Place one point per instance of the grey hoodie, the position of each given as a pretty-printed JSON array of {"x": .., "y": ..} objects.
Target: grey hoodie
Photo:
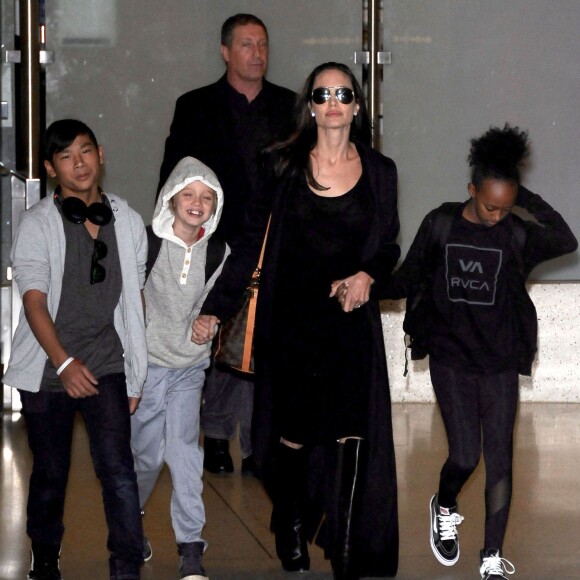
[
  {"x": 38, "y": 256},
  {"x": 176, "y": 287}
]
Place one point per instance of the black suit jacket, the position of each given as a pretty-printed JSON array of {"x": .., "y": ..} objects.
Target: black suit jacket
[{"x": 203, "y": 127}]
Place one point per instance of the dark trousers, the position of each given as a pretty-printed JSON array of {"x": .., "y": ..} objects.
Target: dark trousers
[
  {"x": 49, "y": 422},
  {"x": 228, "y": 399},
  {"x": 478, "y": 409}
]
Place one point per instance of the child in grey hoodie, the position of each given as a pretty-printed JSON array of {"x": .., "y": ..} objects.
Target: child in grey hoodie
[{"x": 185, "y": 258}]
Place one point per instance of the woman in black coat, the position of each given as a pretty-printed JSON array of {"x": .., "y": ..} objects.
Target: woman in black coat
[{"x": 322, "y": 419}]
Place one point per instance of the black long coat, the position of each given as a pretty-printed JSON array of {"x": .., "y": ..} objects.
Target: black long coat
[
  {"x": 203, "y": 127},
  {"x": 377, "y": 531}
]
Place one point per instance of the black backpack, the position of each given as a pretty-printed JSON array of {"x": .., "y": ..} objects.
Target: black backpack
[{"x": 418, "y": 320}]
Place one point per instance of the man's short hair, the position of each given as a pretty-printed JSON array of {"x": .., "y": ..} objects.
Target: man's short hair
[
  {"x": 238, "y": 20},
  {"x": 61, "y": 134}
]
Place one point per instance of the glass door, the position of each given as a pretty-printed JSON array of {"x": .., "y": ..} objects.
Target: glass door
[{"x": 120, "y": 66}]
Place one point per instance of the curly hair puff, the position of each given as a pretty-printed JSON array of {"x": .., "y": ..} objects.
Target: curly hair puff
[{"x": 498, "y": 154}]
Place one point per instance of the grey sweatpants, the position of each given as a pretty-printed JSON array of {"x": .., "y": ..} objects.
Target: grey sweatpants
[{"x": 165, "y": 429}]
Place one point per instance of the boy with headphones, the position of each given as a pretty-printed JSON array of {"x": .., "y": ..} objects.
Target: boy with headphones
[{"x": 78, "y": 259}]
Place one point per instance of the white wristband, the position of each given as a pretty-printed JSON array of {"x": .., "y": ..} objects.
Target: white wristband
[{"x": 64, "y": 365}]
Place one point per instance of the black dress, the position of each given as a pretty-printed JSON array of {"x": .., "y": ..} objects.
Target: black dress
[
  {"x": 321, "y": 355},
  {"x": 376, "y": 531}
]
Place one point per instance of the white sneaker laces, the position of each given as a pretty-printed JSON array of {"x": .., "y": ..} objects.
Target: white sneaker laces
[
  {"x": 448, "y": 526},
  {"x": 496, "y": 565}
]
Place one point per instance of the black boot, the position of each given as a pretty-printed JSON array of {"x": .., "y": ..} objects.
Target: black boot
[
  {"x": 289, "y": 498},
  {"x": 348, "y": 485},
  {"x": 217, "y": 458},
  {"x": 44, "y": 562}
]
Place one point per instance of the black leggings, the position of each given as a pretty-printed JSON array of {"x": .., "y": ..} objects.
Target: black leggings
[{"x": 474, "y": 408}]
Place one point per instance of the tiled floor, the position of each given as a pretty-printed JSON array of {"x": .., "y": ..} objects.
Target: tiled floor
[{"x": 542, "y": 539}]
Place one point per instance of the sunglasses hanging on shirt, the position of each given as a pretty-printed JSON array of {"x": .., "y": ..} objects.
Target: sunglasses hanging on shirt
[
  {"x": 75, "y": 210},
  {"x": 98, "y": 272}
]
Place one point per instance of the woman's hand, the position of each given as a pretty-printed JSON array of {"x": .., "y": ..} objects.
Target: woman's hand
[
  {"x": 204, "y": 328},
  {"x": 352, "y": 292}
]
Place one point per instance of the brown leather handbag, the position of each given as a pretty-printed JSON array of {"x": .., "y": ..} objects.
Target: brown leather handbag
[{"x": 235, "y": 342}]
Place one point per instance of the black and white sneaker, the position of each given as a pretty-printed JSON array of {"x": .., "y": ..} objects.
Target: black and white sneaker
[
  {"x": 190, "y": 555},
  {"x": 444, "y": 542},
  {"x": 493, "y": 566},
  {"x": 147, "y": 550}
]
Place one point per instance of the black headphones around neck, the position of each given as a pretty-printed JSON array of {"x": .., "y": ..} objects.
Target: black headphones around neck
[{"x": 75, "y": 210}]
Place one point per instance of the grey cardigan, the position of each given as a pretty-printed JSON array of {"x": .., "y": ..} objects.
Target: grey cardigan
[{"x": 38, "y": 254}]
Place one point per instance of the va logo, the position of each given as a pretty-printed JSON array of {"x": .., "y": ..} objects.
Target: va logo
[
  {"x": 472, "y": 273},
  {"x": 471, "y": 266}
]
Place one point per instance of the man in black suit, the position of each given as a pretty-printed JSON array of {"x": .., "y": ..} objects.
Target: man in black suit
[{"x": 226, "y": 125}]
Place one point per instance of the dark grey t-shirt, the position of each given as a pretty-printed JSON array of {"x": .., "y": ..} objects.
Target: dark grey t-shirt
[{"x": 84, "y": 321}]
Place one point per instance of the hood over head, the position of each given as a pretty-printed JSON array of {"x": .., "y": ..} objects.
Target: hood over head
[{"x": 185, "y": 172}]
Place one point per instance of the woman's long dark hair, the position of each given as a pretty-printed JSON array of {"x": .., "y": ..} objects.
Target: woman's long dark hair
[
  {"x": 498, "y": 154},
  {"x": 294, "y": 153}
]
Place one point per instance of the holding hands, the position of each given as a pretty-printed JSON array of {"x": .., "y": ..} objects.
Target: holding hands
[
  {"x": 204, "y": 328},
  {"x": 352, "y": 292}
]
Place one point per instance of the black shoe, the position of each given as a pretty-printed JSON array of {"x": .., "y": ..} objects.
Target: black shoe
[
  {"x": 147, "y": 550},
  {"x": 190, "y": 555},
  {"x": 289, "y": 499},
  {"x": 443, "y": 532},
  {"x": 493, "y": 566},
  {"x": 44, "y": 562},
  {"x": 217, "y": 458},
  {"x": 291, "y": 545},
  {"x": 249, "y": 466}
]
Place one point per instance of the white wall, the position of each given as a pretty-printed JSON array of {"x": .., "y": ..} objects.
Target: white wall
[
  {"x": 460, "y": 66},
  {"x": 555, "y": 374}
]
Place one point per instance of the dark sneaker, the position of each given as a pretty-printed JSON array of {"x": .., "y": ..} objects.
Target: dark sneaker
[
  {"x": 249, "y": 466},
  {"x": 444, "y": 542},
  {"x": 217, "y": 458},
  {"x": 147, "y": 551},
  {"x": 44, "y": 562},
  {"x": 493, "y": 566},
  {"x": 190, "y": 555}
]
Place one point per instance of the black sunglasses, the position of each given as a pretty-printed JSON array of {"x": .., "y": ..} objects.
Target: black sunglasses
[
  {"x": 343, "y": 95},
  {"x": 98, "y": 272}
]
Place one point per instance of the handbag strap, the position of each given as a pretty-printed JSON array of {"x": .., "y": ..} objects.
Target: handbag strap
[
  {"x": 264, "y": 244},
  {"x": 249, "y": 333},
  {"x": 249, "y": 330}
]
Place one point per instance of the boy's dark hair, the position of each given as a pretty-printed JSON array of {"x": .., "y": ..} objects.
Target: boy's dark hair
[
  {"x": 238, "y": 20},
  {"x": 60, "y": 134},
  {"x": 498, "y": 154}
]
